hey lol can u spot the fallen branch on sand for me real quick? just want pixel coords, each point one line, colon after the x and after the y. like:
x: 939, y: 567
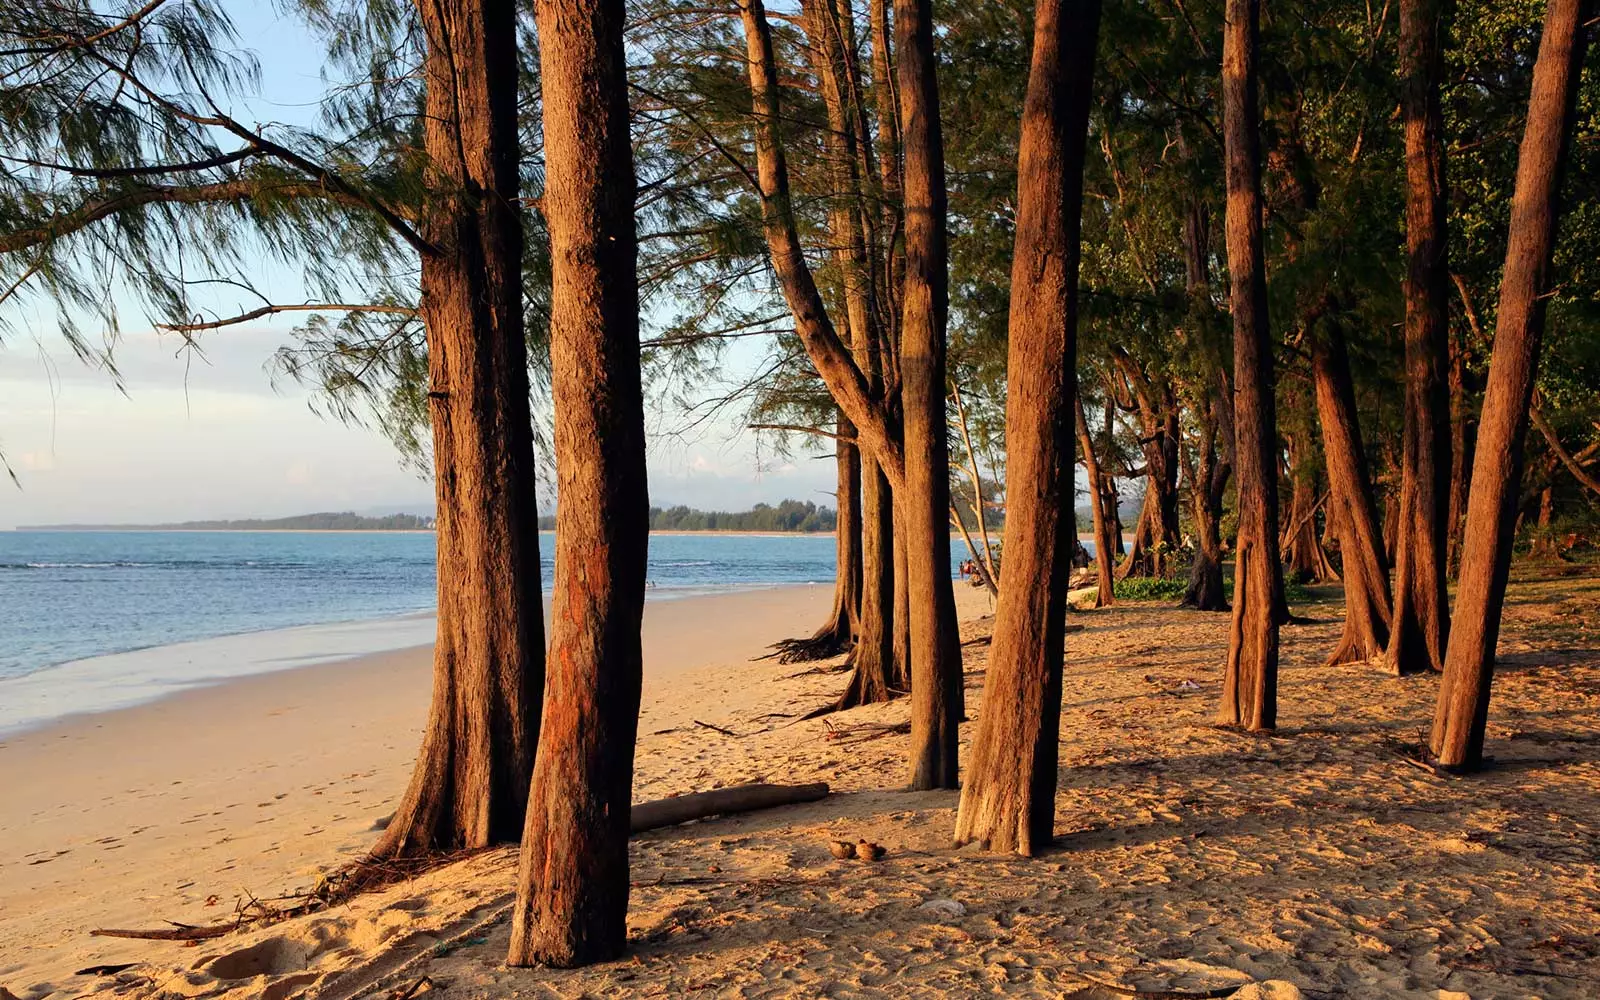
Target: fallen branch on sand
x: 861, y: 732
x: 720, y: 802
x: 1128, y: 991
x: 177, y: 932
x: 717, y: 729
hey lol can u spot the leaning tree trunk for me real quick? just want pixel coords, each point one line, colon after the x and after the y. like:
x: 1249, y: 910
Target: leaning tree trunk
x: 1008, y: 800
x: 1525, y: 287
x: 922, y: 506
x: 1105, y: 580
x: 1304, y: 558
x: 1352, y: 512
x: 1250, y: 681
x: 1210, y: 479
x: 572, y: 880
x: 469, y: 787
x: 1421, y: 603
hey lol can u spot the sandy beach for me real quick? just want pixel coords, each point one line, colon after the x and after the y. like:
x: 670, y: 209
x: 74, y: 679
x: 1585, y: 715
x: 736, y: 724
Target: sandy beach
x: 1317, y: 862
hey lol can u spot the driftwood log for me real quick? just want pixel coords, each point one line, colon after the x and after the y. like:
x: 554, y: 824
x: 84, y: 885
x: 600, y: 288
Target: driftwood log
x: 720, y: 802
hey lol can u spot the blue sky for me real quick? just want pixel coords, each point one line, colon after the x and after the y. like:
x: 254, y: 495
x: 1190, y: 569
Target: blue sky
x: 212, y: 436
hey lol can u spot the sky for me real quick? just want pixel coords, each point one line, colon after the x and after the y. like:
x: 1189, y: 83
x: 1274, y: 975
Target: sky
x: 190, y: 437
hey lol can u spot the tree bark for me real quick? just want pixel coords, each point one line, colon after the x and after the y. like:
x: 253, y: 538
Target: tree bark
x: 936, y: 680
x: 469, y: 786
x: 1304, y: 558
x: 1352, y: 512
x: 572, y: 880
x: 1250, y: 682
x: 839, y: 632
x: 1008, y: 800
x: 873, y: 674
x: 1105, y: 580
x: 1525, y: 285
x: 1421, y: 604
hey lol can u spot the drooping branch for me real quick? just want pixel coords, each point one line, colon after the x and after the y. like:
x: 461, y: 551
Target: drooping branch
x: 103, y: 207
x: 273, y: 309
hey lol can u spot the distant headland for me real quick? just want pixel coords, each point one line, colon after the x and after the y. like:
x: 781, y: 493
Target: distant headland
x: 786, y: 517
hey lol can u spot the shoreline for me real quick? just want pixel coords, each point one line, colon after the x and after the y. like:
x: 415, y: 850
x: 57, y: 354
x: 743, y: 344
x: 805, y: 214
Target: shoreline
x: 31, y: 702
x: 262, y: 783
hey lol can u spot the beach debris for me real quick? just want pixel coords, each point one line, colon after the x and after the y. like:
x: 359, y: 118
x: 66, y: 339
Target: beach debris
x: 718, y: 729
x: 866, y: 850
x: 720, y: 802
x: 1237, y: 991
x: 423, y: 985
x: 861, y: 732
x: 947, y: 907
x: 6, y: 994
x: 841, y: 849
x: 177, y: 932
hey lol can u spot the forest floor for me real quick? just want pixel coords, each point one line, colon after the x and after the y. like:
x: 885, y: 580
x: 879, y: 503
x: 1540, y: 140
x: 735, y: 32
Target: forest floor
x: 1188, y: 857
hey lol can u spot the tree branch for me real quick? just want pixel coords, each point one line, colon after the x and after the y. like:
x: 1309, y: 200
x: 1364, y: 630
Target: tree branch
x: 269, y: 310
x: 1578, y: 472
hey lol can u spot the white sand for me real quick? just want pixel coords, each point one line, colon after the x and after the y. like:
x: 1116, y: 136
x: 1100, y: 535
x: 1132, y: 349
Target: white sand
x: 1189, y: 857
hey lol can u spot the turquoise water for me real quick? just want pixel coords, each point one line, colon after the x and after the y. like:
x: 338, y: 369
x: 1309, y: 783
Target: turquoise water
x: 69, y: 596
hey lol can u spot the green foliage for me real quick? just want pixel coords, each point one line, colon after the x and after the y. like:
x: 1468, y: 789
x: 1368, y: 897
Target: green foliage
x: 789, y: 516
x: 1149, y: 588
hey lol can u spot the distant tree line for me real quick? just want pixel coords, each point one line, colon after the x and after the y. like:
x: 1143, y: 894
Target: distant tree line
x: 326, y: 521
x: 787, y: 516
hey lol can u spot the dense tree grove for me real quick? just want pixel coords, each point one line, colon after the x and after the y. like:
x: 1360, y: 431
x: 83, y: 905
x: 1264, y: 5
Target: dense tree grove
x: 1313, y: 287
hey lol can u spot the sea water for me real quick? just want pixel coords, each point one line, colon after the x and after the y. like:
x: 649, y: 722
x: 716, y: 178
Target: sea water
x: 94, y: 620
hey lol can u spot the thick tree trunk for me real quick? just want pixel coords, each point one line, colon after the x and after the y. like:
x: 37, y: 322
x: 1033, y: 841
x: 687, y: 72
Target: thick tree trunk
x: 469, y: 787
x: 921, y: 507
x: 1352, y: 512
x: 1105, y: 580
x: 1421, y: 603
x: 572, y: 880
x: 1525, y: 285
x: 1250, y: 682
x: 1008, y: 800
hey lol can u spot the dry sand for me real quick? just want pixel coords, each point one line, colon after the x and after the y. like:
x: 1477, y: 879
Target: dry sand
x: 1314, y: 863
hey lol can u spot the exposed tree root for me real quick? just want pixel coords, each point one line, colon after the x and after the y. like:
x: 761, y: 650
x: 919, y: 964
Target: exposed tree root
x: 826, y: 642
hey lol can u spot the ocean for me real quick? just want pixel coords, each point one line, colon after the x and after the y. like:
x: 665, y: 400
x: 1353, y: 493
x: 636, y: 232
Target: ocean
x: 95, y: 620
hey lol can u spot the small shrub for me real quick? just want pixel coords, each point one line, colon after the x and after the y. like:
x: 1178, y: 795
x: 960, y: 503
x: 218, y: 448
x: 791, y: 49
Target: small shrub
x: 1149, y: 588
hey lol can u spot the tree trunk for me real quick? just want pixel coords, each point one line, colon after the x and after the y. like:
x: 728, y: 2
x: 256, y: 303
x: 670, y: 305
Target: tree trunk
x: 1304, y: 558
x: 1352, y: 512
x: 1250, y: 682
x: 873, y: 675
x: 886, y: 100
x: 921, y: 507
x: 572, y: 880
x: 1525, y: 285
x: 1008, y: 800
x: 1460, y: 455
x: 469, y: 787
x: 838, y: 634
x: 1105, y: 580
x: 1421, y: 603
x: 1209, y: 483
